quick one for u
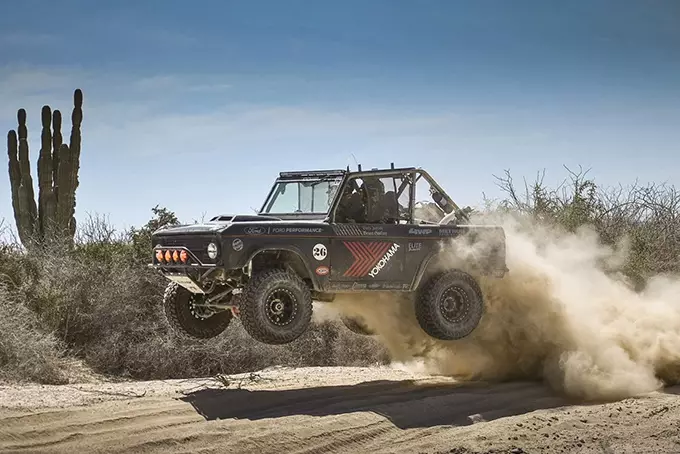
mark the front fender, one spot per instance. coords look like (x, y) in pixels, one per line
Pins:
(290, 249)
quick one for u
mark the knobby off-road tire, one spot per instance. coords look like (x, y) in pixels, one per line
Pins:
(276, 307)
(177, 304)
(357, 326)
(450, 306)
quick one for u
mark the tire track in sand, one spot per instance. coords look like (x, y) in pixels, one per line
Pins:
(350, 418)
(397, 416)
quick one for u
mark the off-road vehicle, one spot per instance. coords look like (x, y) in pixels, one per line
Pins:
(320, 233)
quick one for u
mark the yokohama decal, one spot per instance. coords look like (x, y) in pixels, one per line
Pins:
(369, 257)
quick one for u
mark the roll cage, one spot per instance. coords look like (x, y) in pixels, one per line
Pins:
(344, 178)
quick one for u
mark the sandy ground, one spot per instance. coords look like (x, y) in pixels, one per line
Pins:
(335, 409)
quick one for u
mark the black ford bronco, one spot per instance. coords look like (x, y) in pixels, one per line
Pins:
(320, 233)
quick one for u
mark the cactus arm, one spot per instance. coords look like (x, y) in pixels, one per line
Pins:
(28, 209)
(15, 184)
(46, 193)
(74, 147)
(57, 140)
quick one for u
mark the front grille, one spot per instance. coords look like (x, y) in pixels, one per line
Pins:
(197, 245)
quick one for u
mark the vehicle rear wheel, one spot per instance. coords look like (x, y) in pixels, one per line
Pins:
(276, 307)
(356, 325)
(187, 319)
(450, 306)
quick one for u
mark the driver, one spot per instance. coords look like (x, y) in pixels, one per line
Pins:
(375, 191)
(351, 206)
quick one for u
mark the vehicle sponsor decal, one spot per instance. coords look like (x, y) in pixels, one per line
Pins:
(370, 257)
(384, 260)
(322, 270)
(279, 230)
(255, 230)
(419, 231)
(260, 230)
(237, 244)
(319, 252)
(373, 230)
(449, 232)
(415, 247)
(344, 286)
(359, 230)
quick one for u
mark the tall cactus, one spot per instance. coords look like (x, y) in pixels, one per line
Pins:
(52, 218)
(45, 185)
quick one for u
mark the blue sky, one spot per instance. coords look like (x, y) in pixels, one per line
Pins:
(197, 106)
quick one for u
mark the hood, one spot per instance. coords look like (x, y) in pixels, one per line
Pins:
(216, 224)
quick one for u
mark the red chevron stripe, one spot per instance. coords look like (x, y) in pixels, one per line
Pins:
(359, 258)
(366, 255)
(358, 255)
(369, 258)
(376, 251)
(369, 250)
(362, 256)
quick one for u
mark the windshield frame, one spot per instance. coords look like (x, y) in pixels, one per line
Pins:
(271, 196)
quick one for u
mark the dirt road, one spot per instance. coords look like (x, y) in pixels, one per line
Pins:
(338, 410)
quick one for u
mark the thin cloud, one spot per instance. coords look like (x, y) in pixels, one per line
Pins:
(133, 114)
(21, 39)
(209, 87)
(133, 118)
(161, 36)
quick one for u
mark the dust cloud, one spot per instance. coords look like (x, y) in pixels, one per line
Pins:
(564, 314)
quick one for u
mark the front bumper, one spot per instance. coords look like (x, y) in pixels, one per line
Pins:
(177, 257)
(180, 265)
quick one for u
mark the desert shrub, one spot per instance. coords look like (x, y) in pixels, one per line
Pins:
(110, 315)
(104, 305)
(27, 351)
(644, 217)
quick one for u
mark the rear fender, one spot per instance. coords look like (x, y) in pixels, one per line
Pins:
(440, 260)
(426, 269)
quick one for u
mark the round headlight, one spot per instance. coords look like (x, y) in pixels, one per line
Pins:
(212, 250)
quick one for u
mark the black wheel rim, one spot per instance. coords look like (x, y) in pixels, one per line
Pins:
(281, 307)
(454, 305)
(197, 308)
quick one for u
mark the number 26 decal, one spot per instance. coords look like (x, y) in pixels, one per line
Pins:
(319, 252)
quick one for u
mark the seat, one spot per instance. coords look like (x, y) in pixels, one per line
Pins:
(391, 208)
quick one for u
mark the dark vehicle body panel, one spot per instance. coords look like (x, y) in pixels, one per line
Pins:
(358, 257)
(337, 257)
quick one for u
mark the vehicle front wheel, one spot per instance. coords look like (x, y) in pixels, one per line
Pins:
(450, 306)
(276, 307)
(187, 319)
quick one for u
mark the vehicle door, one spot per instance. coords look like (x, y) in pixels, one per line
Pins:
(368, 248)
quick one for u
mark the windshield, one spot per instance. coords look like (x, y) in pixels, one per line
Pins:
(302, 196)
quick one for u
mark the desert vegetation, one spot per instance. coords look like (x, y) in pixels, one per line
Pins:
(98, 303)
(83, 294)
(95, 301)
